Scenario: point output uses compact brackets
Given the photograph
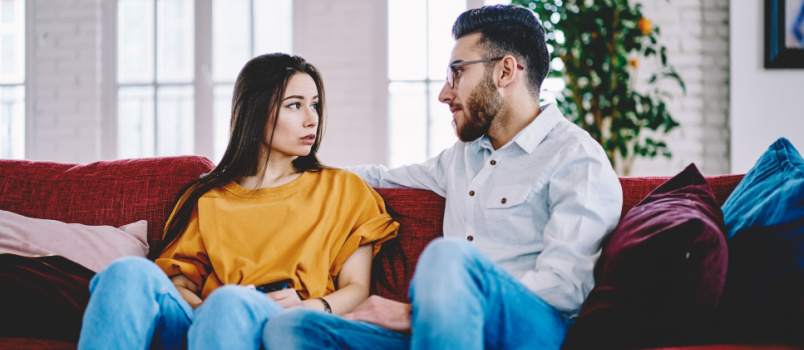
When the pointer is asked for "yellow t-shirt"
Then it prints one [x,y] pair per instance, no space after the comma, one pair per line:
[303,231]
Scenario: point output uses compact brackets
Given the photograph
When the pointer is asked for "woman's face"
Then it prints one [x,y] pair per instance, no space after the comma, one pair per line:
[297,121]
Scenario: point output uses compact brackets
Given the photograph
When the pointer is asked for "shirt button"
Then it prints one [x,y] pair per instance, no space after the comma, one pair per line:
[493,162]
[471,193]
[503,201]
[469,238]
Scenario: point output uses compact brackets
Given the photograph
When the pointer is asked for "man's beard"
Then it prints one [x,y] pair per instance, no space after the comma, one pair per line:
[484,104]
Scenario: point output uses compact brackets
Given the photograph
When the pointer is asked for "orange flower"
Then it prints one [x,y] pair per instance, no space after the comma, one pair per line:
[633,63]
[645,26]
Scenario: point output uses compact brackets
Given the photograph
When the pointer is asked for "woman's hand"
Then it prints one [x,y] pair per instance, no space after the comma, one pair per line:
[286,298]
[187,289]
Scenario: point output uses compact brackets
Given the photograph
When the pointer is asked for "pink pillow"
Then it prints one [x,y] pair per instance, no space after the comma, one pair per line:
[94,247]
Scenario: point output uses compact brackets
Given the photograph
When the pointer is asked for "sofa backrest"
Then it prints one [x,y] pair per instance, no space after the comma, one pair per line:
[119,192]
[111,193]
[421,216]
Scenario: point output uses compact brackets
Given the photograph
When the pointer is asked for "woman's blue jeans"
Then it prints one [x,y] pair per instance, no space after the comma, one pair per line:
[461,300]
[134,305]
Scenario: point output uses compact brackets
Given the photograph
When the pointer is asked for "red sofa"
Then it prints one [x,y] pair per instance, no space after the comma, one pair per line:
[119,192]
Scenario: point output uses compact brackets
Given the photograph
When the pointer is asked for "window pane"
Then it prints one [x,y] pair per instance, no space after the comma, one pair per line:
[439,46]
[222,106]
[273,26]
[135,122]
[175,121]
[407,127]
[407,58]
[135,41]
[12,122]
[175,50]
[231,38]
[442,133]
[12,42]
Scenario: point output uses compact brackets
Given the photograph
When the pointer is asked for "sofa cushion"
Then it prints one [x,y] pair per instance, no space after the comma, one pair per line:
[92,246]
[660,274]
[42,297]
[113,193]
[771,193]
[762,300]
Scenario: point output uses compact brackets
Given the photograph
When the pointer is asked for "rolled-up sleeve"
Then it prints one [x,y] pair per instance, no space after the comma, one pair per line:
[188,255]
[585,199]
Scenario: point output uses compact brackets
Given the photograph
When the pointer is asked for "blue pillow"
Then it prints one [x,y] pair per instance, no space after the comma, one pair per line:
[771,193]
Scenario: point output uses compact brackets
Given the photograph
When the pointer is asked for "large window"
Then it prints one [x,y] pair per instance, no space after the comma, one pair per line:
[419,126]
[176,64]
[419,47]
[12,79]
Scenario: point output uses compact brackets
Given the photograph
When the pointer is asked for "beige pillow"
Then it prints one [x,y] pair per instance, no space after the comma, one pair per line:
[94,247]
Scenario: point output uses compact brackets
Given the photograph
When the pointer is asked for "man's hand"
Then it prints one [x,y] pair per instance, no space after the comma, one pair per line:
[388,314]
[286,298]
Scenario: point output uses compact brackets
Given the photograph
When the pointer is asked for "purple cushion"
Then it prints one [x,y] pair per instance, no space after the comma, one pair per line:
[661,273]
[42,297]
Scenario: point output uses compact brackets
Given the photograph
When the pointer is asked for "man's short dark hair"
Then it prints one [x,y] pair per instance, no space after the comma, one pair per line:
[509,30]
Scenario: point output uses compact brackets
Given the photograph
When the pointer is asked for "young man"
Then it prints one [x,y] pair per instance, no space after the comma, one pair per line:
[530,196]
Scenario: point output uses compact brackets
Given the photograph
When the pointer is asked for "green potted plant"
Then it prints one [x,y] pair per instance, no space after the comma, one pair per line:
[599,45]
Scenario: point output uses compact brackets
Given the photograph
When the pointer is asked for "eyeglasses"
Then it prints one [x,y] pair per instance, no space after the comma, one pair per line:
[452,72]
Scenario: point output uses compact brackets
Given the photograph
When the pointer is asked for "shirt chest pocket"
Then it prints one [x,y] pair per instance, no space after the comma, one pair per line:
[505,197]
[509,216]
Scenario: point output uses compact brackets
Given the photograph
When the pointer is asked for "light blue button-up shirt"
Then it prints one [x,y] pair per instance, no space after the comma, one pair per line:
[539,206]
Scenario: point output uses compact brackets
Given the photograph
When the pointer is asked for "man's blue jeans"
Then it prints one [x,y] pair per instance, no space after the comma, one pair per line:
[461,300]
[134,305]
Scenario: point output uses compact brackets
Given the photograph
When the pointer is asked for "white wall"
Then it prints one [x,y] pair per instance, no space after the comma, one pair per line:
[766,104]
[63,89]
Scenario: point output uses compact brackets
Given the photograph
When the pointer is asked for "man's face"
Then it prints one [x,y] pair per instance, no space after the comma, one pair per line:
[473,100]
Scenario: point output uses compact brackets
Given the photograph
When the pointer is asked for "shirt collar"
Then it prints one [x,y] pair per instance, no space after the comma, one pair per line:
[532,135]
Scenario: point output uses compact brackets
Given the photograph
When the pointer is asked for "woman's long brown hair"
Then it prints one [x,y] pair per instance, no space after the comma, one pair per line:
[258,92]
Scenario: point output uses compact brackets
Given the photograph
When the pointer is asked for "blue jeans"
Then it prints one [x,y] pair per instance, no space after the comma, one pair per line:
[461,300]
[134,305]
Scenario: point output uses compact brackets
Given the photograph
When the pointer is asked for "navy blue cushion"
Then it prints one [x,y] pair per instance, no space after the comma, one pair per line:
[771,193]
[762,298]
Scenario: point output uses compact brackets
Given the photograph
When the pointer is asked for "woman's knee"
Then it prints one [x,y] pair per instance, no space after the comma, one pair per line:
[229,296]
[131,266]
[128,272]
[235,299]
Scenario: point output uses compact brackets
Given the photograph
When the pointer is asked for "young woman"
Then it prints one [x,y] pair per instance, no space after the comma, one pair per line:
[268,229]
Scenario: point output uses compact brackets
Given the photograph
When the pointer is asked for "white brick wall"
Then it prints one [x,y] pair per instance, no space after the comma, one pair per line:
[696,34]
[64,125]
[346,40]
